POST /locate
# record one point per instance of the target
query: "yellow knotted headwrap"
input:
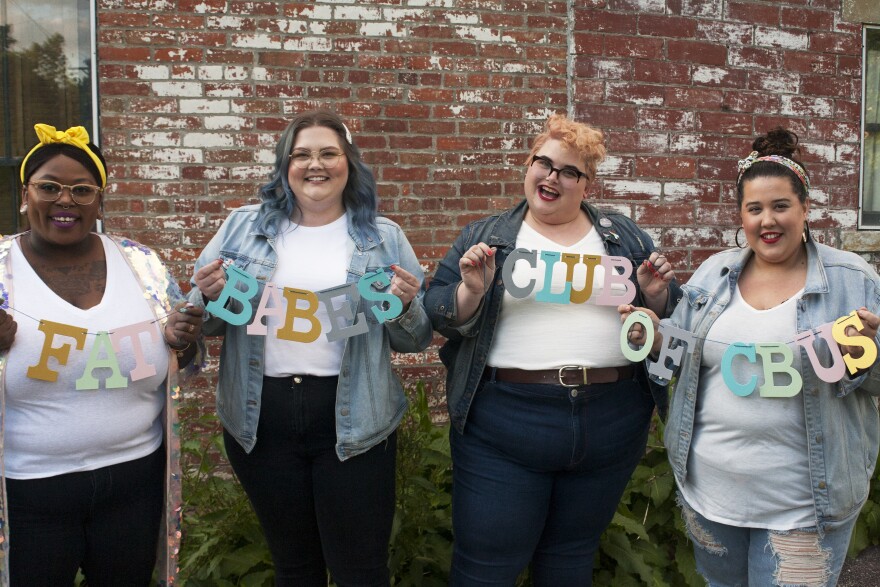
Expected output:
(75, 135)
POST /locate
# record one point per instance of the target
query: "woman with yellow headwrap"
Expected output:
(92, 331)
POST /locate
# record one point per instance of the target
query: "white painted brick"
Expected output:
(157, 172)
(225, 122)
(308, 44)
(256, 41)
(382, 29)
(821, 107)
(255, 172)
(225, 23)
(151, 71)
(184, 72)
(847, 154)
(318, 28)
(782, 82)
(540, 114)
(292, 27)
(177, 155)
(819, 196)
(208, 139)
(260, 74)
(613, 166)
(201, 8)
(235, 73)
(702, 8)
(226, 92)
(406, 14)
(356, 13)
(611, 69)
(845, 218)
(163, 122)
(177, 89)
(654, 6)
(210, 72)
(155, 139)
(521, 67)
(265, 156)
(462, 17)
(477, 33)
(773, 37)
(680, 191)
(705, 74)
(626, 187)
(319, 12)
(823, 152)
(206, 106)
(438, 3)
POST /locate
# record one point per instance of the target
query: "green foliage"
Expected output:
(223, 544)
(421, 538)
(645, 544)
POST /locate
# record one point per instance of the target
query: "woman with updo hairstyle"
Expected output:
(549, 418)
(773, 445)
(93, 330)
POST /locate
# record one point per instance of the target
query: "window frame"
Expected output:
(863, 223)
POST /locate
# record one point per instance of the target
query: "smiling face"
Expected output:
(318, 188)
(773, 219)
(62, 222)
(555, 200)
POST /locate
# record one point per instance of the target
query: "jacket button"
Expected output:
(442, 308)
(297, 379)
(819, 438)
(822, 485)
(344, 411)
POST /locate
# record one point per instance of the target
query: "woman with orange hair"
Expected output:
(549, 418)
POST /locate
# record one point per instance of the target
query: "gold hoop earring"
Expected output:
(736, 238)
(806, 234)
(23, 209)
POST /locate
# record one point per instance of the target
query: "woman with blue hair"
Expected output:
(308, 400)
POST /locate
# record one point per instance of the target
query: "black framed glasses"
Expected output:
(568, 175)
(82, 194)
(327, 158)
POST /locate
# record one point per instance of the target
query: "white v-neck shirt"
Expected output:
(51, 427)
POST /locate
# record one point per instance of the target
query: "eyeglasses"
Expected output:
(82, 194)
(568, 175)
(327, 158)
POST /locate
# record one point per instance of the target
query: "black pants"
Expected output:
(104, 521)
(317, 512)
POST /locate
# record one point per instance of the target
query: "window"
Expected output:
(870, 181)
(47, 51)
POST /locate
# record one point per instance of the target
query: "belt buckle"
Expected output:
(562, 370)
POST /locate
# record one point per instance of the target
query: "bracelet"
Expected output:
(180, 350)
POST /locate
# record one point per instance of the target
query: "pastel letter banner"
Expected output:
(257, 327)
(840, 335)
(606, 298)
(365, 286)
(142, 369)
(530, 257)
(837, 370)
(579, 296)
(631, 354)
(234, 276)
(770, 388)
(670, 333)
(748, 351)
(41, 370)
(116, 380)
(343, 312)
(550, 259)
(287, 332)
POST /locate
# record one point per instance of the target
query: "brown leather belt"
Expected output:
(568, 376)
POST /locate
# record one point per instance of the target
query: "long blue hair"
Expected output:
(359, 195)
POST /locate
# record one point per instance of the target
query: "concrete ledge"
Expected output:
(861, 241)
(866, 11)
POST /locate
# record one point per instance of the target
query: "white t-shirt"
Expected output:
(543, 335)
(749, 464)
(312, 258)
(51, 427)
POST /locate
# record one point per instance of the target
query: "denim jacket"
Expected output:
(370, 401)
(842, 424)
(464, 353)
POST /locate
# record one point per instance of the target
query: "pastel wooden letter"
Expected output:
(234, 276)
(287, 332)
(838, 331)
(88, 381)
(142, 369)
(41, 370)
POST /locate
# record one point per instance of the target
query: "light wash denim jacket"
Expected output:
(842, 424)
(464, 353)
(370, 401)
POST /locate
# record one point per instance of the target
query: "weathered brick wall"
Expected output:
(443, 95)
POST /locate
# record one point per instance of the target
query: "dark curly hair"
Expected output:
(779, 141)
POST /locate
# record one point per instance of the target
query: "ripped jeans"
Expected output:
(731, 556)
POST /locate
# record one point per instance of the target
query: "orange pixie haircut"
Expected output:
(577, 136)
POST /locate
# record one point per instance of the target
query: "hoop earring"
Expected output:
(806, 234)
(23, 209)
(736, 237)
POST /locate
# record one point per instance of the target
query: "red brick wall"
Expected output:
(443, 95)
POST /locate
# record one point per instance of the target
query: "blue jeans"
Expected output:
(317, 512)
(105, 521)
(537, 477)
(731, 556)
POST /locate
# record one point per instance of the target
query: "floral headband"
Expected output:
(753, 158)
(75, 135)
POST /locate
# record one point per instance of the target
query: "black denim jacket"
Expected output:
(464, 353)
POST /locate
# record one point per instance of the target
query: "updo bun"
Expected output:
(778, 142)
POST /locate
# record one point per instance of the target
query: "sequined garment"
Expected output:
(162, 293)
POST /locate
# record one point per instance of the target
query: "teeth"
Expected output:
(63, 218)
(549, 191)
